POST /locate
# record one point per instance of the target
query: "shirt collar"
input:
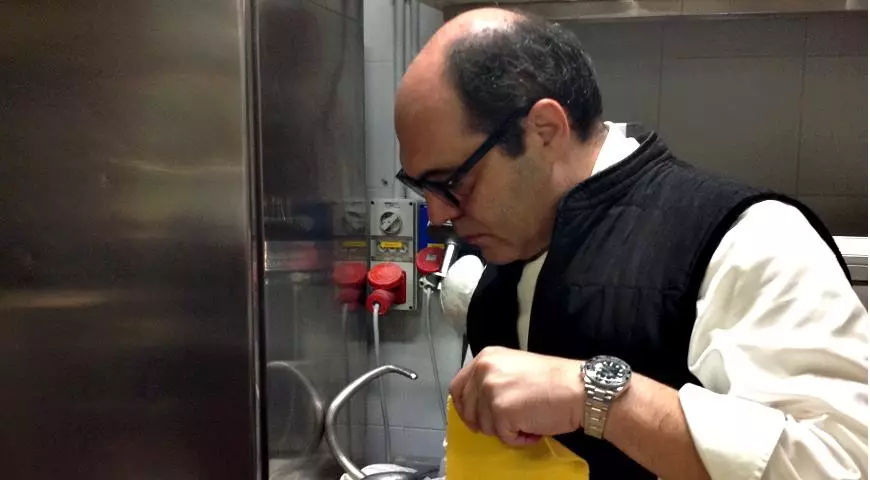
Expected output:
(617, 145)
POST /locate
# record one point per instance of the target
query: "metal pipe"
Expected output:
(338, 403)
(414, 31)
(447, 235)
(450, 249)
(399, 190)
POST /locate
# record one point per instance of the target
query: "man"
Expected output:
(730, 305)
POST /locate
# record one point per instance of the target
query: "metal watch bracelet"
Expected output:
(595, 414)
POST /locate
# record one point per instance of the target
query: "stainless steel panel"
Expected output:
(861, 290)
(311, 119)
(854, 251)
(126, 275)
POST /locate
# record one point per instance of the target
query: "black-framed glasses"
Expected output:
(445, 188)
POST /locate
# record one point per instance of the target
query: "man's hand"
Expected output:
(519, 396)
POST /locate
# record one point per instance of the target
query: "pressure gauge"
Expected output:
(391, 223)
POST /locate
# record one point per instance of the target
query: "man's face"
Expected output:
(504, 206)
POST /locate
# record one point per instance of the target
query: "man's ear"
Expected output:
(548, 122)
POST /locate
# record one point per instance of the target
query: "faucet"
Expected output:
(338, 403)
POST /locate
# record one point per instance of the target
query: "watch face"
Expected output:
(608, 371)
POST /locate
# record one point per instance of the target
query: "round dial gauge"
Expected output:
(391, 223)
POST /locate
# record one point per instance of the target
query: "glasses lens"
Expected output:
(421, 187)
(445, 195)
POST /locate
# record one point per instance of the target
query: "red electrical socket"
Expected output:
(388, 287)
(429, 259)
(350, 278)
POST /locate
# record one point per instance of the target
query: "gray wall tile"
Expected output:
(833, 148)
(405, 343)
(735, 116)
(380, 133)
(734, 38)
(619, 40)
(627, 59)
(840, 34)
(378, 30)
(431, 20)
(630, 89)
(424, 444)
(842, 215)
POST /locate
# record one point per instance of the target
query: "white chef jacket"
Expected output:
(779, 343)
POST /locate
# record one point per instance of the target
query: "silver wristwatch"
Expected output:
(605, 379)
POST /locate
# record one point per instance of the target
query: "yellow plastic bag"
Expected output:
(475, 456)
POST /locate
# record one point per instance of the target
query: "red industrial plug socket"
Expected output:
(429, 259)
(350, 278)
(388, 287)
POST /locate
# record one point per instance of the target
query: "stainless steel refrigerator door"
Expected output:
(127, 279)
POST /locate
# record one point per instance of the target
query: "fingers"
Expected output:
(485, 417)
(486, 403)
(508, 424)
(469, 403)
(509, 435)
(505, 433)
(464, 394)
(457, 385)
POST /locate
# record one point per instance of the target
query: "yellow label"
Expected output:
(354, 244)
(391, 244)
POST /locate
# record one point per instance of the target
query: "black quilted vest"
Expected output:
(628, 253)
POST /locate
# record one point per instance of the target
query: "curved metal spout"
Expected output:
(338, 403)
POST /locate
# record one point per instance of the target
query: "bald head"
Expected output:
(482, 113)
(425, 83)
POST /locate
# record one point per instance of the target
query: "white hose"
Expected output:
(388, 450)
(428, 321)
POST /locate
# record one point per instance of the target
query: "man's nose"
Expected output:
(440, 210)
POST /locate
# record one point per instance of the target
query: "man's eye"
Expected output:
(463, 187)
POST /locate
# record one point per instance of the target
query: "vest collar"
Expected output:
(614, 180)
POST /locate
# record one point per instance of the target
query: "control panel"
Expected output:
(393, 234)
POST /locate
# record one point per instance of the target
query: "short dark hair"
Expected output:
(501, 70)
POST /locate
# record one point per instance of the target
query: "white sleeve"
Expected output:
(780, 345)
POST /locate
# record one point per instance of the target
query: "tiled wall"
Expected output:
(380, 136)
(775, 102)
(413, 408)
